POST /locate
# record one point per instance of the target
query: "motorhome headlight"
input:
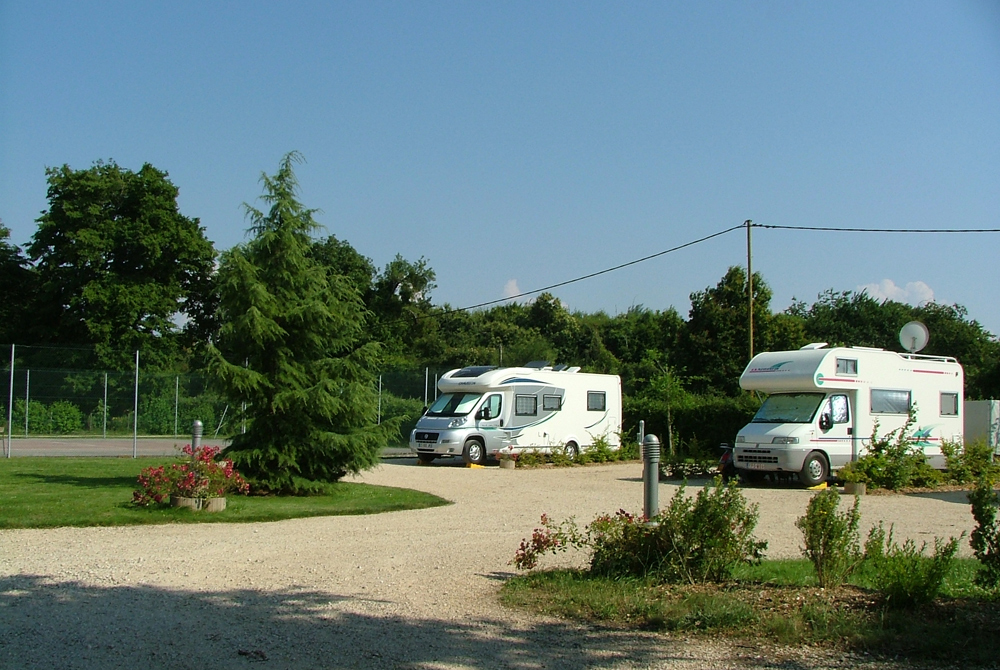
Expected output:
(460, 421)
(740, 439)
(785, 440)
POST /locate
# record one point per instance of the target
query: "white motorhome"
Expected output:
(823, 404)
(484, 412)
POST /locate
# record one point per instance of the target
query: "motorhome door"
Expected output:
(490, 422)
(836, 429)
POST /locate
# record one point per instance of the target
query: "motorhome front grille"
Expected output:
(756, 458)
(427, 437)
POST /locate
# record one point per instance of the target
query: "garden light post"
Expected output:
(651, 475)
(196, 429)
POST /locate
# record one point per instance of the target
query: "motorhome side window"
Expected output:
(495, 404)
(526, 405)
(552, 403)
(885, 401)
(847, 366)
(596, 401)
(837, 408)
(949, 404)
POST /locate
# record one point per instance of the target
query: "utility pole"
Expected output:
(748, 224)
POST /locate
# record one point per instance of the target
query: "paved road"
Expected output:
(120, 446)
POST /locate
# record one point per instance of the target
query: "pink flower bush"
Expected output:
(200, 476)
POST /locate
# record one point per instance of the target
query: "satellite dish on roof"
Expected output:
(914, 336)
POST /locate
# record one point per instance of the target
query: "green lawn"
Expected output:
(51, 492)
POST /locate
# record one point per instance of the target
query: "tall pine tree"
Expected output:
(290, 348)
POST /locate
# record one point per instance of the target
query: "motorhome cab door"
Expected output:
(489, 419)
(835, 429)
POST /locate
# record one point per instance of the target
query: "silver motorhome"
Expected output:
(485, 412)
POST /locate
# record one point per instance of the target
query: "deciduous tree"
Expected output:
(117, 263)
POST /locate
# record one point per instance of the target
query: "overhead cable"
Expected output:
(879, 230)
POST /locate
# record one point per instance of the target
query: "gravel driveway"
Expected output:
(413, 589)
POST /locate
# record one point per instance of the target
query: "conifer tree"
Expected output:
(290, 348)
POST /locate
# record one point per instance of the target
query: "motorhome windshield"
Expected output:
(454, 404)
(788, 408)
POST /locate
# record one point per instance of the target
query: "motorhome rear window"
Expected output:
(847, 366)
(885, 401)
(949, 404)
(788, 408)
(596, 401)
(552, 403)
(454, 404)
(526, 405)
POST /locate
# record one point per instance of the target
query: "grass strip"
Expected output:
(53, 492)
(778, 602)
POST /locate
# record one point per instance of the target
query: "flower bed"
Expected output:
(200, 477)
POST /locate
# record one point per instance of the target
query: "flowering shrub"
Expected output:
(693, 540)
(200, 476)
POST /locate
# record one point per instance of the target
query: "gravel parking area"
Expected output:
(412, 589)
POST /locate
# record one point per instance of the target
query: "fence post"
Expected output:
(105, 430)
(10, 403)
(27, 399)
(177, 389)
(379, 414)
(135, 410)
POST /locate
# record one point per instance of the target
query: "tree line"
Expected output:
(295, 325)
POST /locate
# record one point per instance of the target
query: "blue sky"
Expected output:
(519, 144)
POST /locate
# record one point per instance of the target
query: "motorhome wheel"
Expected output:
(474, 452)
(814, 469)
(572, 450)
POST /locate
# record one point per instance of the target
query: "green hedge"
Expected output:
(700, 423)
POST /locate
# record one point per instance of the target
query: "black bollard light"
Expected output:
(651, 475)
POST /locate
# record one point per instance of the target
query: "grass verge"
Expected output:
(779, 602)
(52, 492)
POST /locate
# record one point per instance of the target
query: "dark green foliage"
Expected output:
(693, 540)
(985, 540)
(903, 574)
(715, 342)
(290, 348)
(17, 282)
(698, 423)
(831, 537)
(115, 262)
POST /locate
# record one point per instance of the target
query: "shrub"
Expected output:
(694, 540)
(892, 461)
(831, 538)
(65, 417)
(968, 462)
(902, 574)
(598, 452)
(985, 540)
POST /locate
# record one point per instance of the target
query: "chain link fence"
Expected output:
(55, 393)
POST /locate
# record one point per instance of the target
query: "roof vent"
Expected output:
(814, 345)
(536, 365)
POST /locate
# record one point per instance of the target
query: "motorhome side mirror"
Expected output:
(825, 422)
(485, 414)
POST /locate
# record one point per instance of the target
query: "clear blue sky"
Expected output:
(518, 144)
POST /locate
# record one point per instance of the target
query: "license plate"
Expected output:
(756, 466)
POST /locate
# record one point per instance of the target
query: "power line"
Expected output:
(879, 230)
(595, 274)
